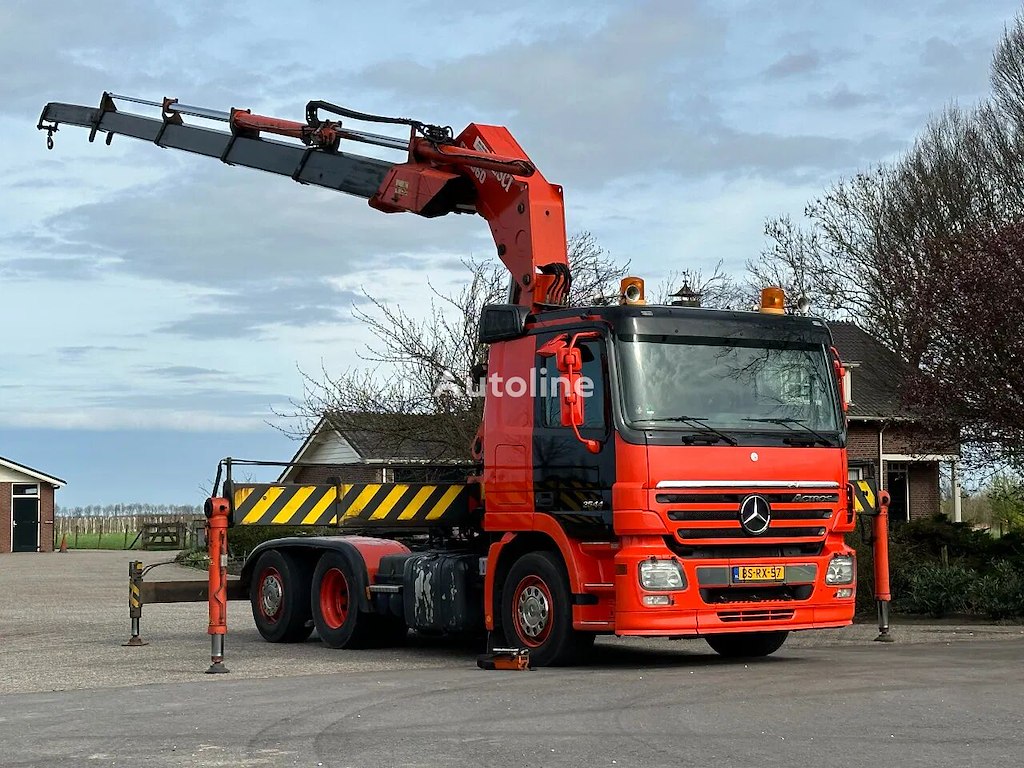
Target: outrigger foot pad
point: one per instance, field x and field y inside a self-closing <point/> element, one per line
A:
<point x="505" y="658"/>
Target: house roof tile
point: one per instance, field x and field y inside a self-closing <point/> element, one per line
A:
<point x="877" y="377"/>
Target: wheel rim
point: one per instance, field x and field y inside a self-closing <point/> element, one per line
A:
<point x="271" y="594"/>
<point x="532" y="611"/>
<point x="334" y="598"/>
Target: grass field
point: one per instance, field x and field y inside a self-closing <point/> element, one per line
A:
<point x="98" y="541"/>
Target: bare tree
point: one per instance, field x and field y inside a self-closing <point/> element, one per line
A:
<point x="919" y="251"/>
<point x="862" y="253"/>
<point x="971" y="378"/>
<point x="418" y="386"/>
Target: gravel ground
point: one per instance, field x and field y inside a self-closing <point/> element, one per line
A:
<point x="63" y="618"/>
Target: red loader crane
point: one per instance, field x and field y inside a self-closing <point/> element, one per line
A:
<point x="663" y="471"/>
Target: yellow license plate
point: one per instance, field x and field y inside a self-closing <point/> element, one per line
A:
<point x="742" y="573"/>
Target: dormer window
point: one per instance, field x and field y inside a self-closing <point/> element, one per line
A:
<point x="848" y="382"/>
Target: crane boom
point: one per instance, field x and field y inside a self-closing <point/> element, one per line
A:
<point x="482" y="170"/>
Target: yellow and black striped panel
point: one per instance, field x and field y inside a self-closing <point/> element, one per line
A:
<point x="865" y="496"/>
<point x="353" y="504"/>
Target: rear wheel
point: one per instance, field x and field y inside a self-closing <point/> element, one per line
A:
<point x="537" y="611"/>
<point x="335" y="604"/>
<point x="747" y="644"/>
<point x="279" y="595"/>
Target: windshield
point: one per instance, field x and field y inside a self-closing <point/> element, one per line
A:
<point x="745" y="386"/>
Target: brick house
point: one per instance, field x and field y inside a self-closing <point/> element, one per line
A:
<point x="882" y="441"/>
<point x="26" y="508"/>
<point x="330" y="454"/>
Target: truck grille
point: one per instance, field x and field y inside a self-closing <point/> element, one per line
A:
<point x="710" y="520"/>
<point x="774" y="532"/>
<point x="758" y="614"/>
<point x="744" y="549"/>
<point x="762" y="594"/>
<point x="736" y="498"/>
<point x="730" y="514"/>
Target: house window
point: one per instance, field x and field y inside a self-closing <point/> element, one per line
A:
<point x="855" y="474"/>
<point x="25" y="490"/>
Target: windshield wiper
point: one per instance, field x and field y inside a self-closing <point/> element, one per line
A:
<point x="815" y="436"/>
<point x="698" y="423"/>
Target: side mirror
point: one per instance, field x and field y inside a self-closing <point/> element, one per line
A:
<point x="500" y="322"/>
<point x="569" y="362"/>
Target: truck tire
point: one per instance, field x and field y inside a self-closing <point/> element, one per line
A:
<point x="536" y="611"/>
<point x="335" y="604"/>
<point x="279" y="595"/>
<point x="747" y="645"/>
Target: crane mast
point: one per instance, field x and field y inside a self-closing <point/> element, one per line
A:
<point x="482" y="170"/>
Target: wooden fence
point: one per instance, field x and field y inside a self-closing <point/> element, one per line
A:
<point x="116" y="531"/>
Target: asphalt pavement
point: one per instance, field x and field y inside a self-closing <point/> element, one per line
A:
<point x="70" y="694"/>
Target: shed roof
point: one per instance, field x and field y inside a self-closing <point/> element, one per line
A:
<point x="26" y="470"/>
<point x="410" y="444"/>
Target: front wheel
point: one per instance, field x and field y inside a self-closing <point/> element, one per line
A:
<point x="747" y="645"/>
<point x="537" y="611"/>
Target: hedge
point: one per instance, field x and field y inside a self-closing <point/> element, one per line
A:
<point x="940" y="568"/>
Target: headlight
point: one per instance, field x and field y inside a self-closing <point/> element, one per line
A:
<point x="840" y="570"/>
<point x="661" y="575"/>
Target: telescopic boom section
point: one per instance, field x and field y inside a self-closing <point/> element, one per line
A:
<point x="482" y="170"/>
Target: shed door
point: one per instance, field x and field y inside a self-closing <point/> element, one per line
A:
<point x="26" y="525"/>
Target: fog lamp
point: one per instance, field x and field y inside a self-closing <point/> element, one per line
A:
<point x="652" y="600"/>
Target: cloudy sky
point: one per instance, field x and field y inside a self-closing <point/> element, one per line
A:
<point x="158" y="307"/>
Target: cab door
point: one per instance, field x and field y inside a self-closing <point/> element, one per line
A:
<point x="570" y="482"/>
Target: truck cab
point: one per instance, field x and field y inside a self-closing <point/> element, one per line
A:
<point x="689" y="464"/>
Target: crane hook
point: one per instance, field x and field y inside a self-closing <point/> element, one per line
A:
<point x="50" y="130"/>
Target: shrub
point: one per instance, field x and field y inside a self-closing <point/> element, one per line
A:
<point x="937" y="567"/>
<point x="1010" y="547"/>
<point x="937" y="590"/>
<point x="928" y="538"/>
<point x="999" y="593"/>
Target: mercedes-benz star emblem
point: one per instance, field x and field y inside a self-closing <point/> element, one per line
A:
<point x="755" y="515"/>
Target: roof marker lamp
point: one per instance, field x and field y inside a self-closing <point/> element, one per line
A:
<point x="773" y="301"/>
<point x="631" y="291"/>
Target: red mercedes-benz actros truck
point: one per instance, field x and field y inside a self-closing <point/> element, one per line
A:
<point x="640" y="469"/>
